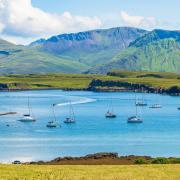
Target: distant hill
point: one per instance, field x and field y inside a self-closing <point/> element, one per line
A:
<point x="91" y="47"/>
<point x="158" y="50"/>
<point x="26" y="60"/>
<point x="97" y="51"/>
<point x="67" y="53"/>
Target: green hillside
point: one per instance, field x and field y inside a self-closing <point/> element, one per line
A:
<point x="25" y="60"/>
<point x="97" y="52"/>
<point x="152" y="52"/>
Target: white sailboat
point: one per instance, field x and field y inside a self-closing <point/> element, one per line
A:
<point x="110" y="112"/>
<point x="135" y="119"/>
<point x="156" y="106"/>
<point x="53" y="123"/>
<point x="141" y="102"/>
<point x="71" y="118"/>
<point x="28" y="117"/>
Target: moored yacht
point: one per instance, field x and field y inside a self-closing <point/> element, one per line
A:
<point x="141" y="103"/>
<point x="110" y="112"/>
<point x="110" y="115"/>
<point x="53" y="123"/>
<point x="155" y="106"/>
<point x="71" y="119"/>
<point x="28" y="117"/>
<point x="134" y="119"/>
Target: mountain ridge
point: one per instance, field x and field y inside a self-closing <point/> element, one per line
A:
<point x="96" y="51"/>
<point x="158" y="50"/>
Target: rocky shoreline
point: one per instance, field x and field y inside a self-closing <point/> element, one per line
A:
<point x="116" y="86"/>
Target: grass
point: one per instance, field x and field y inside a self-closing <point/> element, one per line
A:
<point x="82" y="81"/>
<point x="135" y="172"/>
<point x="73" y="81"/>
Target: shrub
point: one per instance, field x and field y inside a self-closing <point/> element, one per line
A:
<point x="140" y="161"/>
<point x="174" y="160"/>
<point x="160" y="161"/>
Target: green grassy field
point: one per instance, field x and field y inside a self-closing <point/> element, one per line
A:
<point x="82" y="81"/>
<point x="144" y="172"/>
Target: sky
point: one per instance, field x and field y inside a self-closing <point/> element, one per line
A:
<point x="23" y="21"/>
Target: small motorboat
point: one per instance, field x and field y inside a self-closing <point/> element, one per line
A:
<point x="110" y="115"/>
<point x="51" y="124"/>
<point x="178" y="108"/>
<point x="134" y="119"/>
<point x="155" y="106"/>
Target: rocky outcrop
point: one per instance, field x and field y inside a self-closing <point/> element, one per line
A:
<point x="98" y="85"/>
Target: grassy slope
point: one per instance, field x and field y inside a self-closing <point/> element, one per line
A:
<point x="148" y="172"/>
<point x="153" y="79"/>
<point x="34" y="61"/>
<point x="162" y="56"/>
<point x="81" y="81"/>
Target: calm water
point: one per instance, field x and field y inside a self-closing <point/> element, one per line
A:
<point x="159" y="135"/>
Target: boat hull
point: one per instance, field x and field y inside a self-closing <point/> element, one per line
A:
<point x="27" y="120"/>
<point x="134" y="120"/>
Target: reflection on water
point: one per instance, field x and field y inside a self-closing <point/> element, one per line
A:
<point x="158" y="135"/>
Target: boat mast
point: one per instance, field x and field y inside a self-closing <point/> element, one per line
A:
<point x="54" y="113"/>
<point x="29" y="106"/>
<point x="111" y="104"/>
<point x="72" y="116"/>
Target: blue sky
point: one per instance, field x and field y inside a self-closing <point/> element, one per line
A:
<point x="23" y="21"/>
<point x="166" y="11"/>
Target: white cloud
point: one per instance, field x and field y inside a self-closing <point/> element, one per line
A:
<point x="138" y="21"/>
<point x="19" y="19"/>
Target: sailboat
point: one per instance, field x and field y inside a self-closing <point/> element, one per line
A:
<point x="53" y="123"/>
<point x="140" y="102"/>
<point x="28" y="117"/>
<point x="110" y="113"/>
<point x="156" y="106"/>
<point x="135" y="119"/>
<point x="71" y="118"/>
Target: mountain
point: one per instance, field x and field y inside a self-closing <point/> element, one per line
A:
<point x="97" y="51"/>
<point x="26" y="60"/>
<point x="66" y="53"/>
<point x="92" y="47"/>
<point x="158" y="50"/>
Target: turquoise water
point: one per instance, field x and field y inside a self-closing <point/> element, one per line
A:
<point x="158" y="135"/>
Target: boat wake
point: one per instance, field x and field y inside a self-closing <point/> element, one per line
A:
<point x="81" y="101"/>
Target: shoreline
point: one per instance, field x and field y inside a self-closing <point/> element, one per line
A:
<point x="91" y="90"/>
